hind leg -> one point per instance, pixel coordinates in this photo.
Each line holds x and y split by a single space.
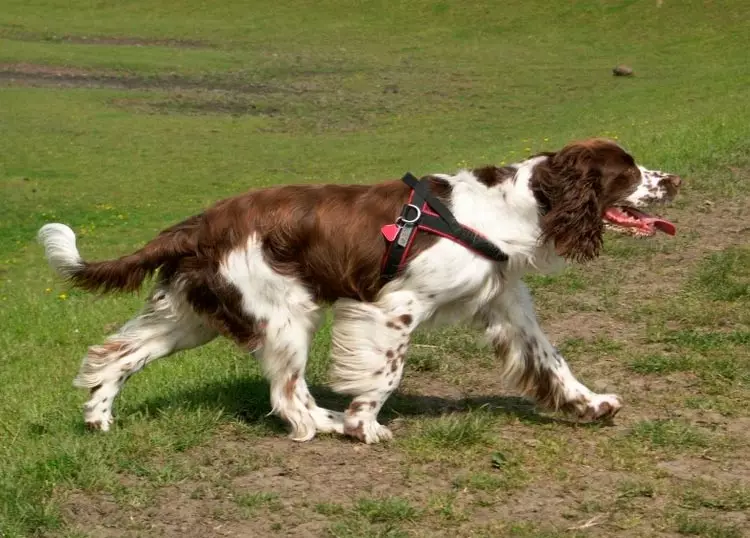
287 317
166 324
283 358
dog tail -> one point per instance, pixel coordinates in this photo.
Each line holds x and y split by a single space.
122 274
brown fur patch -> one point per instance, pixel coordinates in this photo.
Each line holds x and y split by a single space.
355 407
290 384
109 351
502 348
538 381
300 229
574 187
406 319
492 176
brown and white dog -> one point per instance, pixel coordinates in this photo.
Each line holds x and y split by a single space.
257 268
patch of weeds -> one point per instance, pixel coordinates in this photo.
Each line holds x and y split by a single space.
444 506
632 490
668 434
371 518
570 280
508 474
707 341
361 529
717 402
725 276
482 482
734 500
250 502
723 370
690 525
424 359
329 509
450 435
574 346
661 364
385 510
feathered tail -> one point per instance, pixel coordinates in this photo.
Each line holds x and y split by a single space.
122 274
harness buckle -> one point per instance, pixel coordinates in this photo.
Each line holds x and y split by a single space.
402 220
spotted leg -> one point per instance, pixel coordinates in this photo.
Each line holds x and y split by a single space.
370 341
166 325
532 365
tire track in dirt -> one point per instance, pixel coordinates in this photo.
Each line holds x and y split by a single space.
38 75
126 41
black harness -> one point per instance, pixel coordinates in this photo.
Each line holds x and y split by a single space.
425 212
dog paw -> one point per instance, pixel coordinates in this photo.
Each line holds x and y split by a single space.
601 406
329 421
98 425
369 432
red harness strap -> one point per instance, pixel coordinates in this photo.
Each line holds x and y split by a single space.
424 212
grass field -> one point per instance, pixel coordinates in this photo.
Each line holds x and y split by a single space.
119 118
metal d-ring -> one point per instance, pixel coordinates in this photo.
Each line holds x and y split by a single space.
403 220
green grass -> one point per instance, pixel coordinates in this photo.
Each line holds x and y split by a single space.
372 517
725 276
669 434
385 510
450 436
250 502
694 526
197 102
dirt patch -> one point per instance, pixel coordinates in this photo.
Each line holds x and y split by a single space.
199 103
127 41
586 326
37 75
706 468
717 226
295 478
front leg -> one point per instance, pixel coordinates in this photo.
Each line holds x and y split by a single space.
532 365
369 344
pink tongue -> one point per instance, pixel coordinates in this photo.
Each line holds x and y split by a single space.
660 224
664 225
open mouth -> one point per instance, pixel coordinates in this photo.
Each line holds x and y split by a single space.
637 222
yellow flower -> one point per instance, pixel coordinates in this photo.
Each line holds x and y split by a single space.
48 290
546 139
63 296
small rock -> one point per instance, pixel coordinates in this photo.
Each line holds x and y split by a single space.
622 71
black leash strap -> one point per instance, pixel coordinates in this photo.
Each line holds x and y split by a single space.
417 215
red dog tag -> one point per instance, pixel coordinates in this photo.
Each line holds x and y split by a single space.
390 232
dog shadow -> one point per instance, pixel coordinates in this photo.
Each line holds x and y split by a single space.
248 401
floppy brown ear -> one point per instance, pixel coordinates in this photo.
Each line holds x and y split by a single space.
569 185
